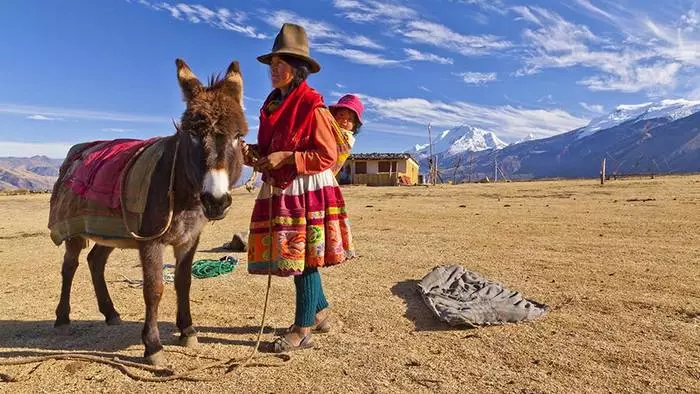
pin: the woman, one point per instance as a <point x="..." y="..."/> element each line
<point x="299" y="222"/>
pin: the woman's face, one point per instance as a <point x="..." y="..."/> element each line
<point x="281" y="73"/>
<point x="345" y="118"/>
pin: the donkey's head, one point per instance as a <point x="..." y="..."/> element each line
<point x="211" y="128"/>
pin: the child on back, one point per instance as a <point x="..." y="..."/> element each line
<point x="348" y="114"/>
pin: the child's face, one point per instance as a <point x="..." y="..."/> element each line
<point x="345" y="118"/>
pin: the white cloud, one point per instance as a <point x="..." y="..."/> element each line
<point x="365" y="42"/>
<point x="657" y="77"/>
<point x="690" y="21"/>
<point x="363" y="11"/>
<point x="480" y="18"/>
<point x="508" y="121"/>
<point x="595" y="10"/>
<point x="42" y="117"/>
<point x="443" y="37"/>
<point x="320" y="32"/>
<point x="558" y="43"/>
<point x="117" y="130"/>
<point x="526" y="15"/>
<point x="57" y="112"/>
<point x="27" y="149"/>
<point x="221" y="18"/>
<point x="416" y="55"/>
<point x="340" y="85"/>
<point x="496" y="6"/>
<point x="597" y="108"/>
<point x="423" y="88"/>
<point x="357" y="56"/>
<point x="405" y="21"/>
<point x="476" y="78"/>
<point x="547" y="99"/>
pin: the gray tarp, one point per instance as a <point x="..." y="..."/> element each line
<point x="460" y="297"/>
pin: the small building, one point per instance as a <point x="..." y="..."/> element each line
<point x="379" y="169"/>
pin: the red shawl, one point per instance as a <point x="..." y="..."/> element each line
<point x="288" y="128"/>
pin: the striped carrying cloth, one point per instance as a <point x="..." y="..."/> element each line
<point x="310" y="227"/>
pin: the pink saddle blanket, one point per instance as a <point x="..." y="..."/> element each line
<point x="99" y="169"/>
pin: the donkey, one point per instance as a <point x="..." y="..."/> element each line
<point x="207" y="165"/>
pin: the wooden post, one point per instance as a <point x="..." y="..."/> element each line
<point x="602" y="172"/>
<point x="495" y="170"/>
<point x="431" y="160"/>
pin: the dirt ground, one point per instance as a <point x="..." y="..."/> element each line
<point x="619" y="265"/>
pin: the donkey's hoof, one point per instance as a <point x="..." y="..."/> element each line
<point x="156" y="359"/>
<point x="114" y="321"/>
<point x="189" y="342"/>
<point x="62" y="330"/>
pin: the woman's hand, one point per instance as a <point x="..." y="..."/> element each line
<point x="274" y="160"/>
<point x="250" y="154"/>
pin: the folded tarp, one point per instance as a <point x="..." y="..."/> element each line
<point x="463" y="298"/>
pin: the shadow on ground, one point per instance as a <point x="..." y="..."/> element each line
<point x="96" y="336"/>
<point x="416" y="310"/>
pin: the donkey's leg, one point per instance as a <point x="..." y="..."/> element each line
<point x="70" y="264"/>
<point x="152" y="263"/>
<point x="97" y="258"/>
<point x="183" y="280"/>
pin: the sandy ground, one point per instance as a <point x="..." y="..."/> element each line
<point x="622" y="277"/>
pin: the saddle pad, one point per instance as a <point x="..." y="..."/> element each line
<point x="97" y="175"/>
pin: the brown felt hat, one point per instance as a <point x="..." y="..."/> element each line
<point x="292" y="41"/>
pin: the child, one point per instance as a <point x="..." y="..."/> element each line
<point x="348" y="114"/>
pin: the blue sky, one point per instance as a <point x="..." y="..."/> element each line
<point x="80" y="70"/>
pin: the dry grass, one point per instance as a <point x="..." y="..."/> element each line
<point x="622" y="277"/>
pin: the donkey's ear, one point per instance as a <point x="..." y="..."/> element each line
<point x="189" y="83"/>
<point x="233" y="82"/>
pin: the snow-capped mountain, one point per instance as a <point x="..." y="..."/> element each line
<point x="459" y="139"/>
<point x="528" y="137"/>
<point x="668" y="109"/>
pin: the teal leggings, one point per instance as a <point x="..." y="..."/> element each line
<point x="310" y="297"/>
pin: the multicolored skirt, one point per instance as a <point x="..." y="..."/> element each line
<point x="310" y="227"/>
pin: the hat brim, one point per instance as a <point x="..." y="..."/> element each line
<point x="336" y="106"/>
<point x="314" y="67"/>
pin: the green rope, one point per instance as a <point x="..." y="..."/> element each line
<point x="202" y="269"/>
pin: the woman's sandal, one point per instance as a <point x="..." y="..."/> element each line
<point x="282" y="345"/>
<point x="323" y="327"/>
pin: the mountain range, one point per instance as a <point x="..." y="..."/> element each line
<point x="655" y="137"/>
<point x="658" y="137"/>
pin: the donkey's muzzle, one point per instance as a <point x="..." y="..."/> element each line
<point x="215" y="208"/>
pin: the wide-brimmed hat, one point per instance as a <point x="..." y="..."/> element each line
<point x="351" y="102"/>
<point x="292" y="41"/>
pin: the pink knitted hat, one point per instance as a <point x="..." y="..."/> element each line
<point x="351" y="102"/>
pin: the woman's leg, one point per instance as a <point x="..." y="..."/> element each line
<point x="322" y="302"/>
<point x="307" y="286"/>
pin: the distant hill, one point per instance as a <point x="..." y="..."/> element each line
<point x="36" y="173"/>
<point x="39" y="173"/>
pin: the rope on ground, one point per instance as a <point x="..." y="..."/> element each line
<point x="202" y="269"/>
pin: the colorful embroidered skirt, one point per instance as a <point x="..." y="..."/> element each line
<point x="310" y="227"/>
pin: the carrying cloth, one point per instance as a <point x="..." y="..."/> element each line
<point x="460" y="297"/>
<point x="81" y="203"/>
